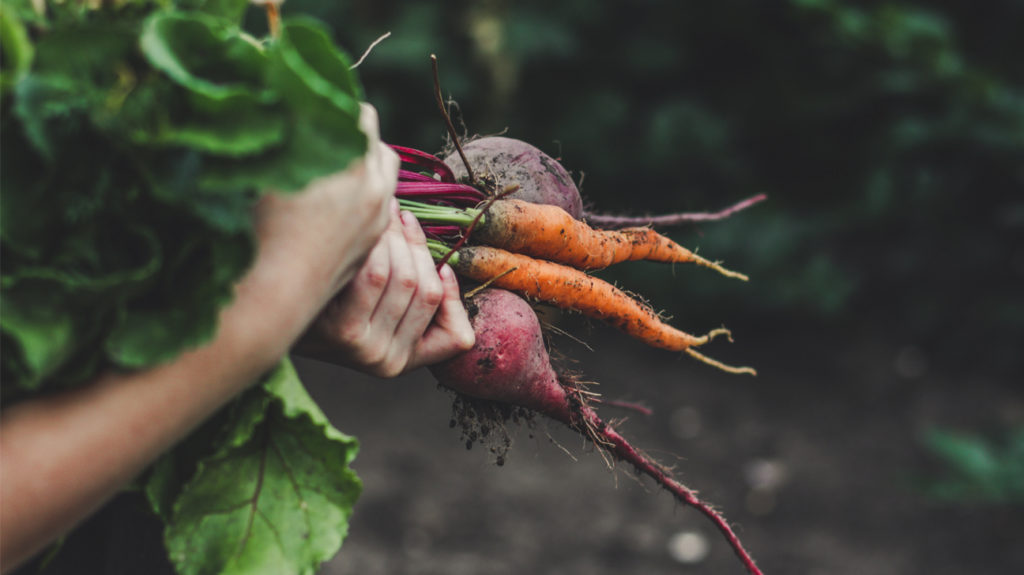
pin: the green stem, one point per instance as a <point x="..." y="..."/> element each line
<point x="432" y="214"/>
<point x="439" y="249"/>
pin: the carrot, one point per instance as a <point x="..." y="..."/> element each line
<point x="549" y="232"/>
<point x="572" y="289"/>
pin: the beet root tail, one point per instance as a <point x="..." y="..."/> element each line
<point x="610" y="440"/>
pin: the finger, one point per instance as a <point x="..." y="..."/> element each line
<point x="429" y="290"/>
<point x="451" y="332"/>
<point x="400" y="287"/>
<point x="348" y="316"/>
<point x="382" y="164"/>
<point x="352" y="309"/>
<point x="452" y="315"/>
<point x="369" y="123"/>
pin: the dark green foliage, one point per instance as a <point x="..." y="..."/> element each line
<point x="977" y="469"/>
<point x="136" y="139"/>
<point x="134" y="149"/>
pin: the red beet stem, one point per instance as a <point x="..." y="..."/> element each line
<point x="411" y="176"/>
<point x="611" y="221"/>
<point x="440" y="189"/>
<point x="442" y="231"/>
<point x="429" y="161"/>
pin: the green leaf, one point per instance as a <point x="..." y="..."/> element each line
<point x="207" y="56"/>
<point x="284" y="385"/>
<point x="182" y="312"/>
<point x="52" y="110"/>
<point x="71" y="87"/>
<point x="175" y="182"/>
<point x="16" y="49"/>
<point x="311" y="71"/>
<point x="162" y="484"/>
<point x="39" y="335"/>
<point x="231" y="10"/>
<point x="970" y="456"/>
<point x="223" y="106"/>
<point x="322" y="97"/>
<point x="313" y="149"/>
<point x="239" y="131"/>
<point x="26" y="215"/>
<point x="278" y="503"/>
<point x="119" y="260"/>
<point x="230" y="428"/>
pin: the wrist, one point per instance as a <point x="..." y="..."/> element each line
<point x="274" y="304"/>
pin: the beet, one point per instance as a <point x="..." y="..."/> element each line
<point x="509" y="364"/>
<point x="507" y="161"/>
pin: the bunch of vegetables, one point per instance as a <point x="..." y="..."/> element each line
<point x="525" y="236"/>
<point x="137" y="136"/>
<point x="541" y="251"/>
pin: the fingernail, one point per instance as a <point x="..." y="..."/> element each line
<point x="468" y="338"/>
<point x="410" y="220"/>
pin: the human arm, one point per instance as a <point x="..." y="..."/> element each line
<point x="62" y="456"/>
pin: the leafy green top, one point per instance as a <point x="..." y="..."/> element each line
<point x="136" y="138"/>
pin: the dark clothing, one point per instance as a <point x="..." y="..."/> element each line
<point x="123" y="538"/>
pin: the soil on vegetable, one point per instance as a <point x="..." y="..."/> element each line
<point x="488" y="424"/>
<point x="817" y="463"/>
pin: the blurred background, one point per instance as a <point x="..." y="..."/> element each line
<point x="885" y="311"/>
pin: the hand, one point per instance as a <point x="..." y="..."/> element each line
<point x="398" y="313"/>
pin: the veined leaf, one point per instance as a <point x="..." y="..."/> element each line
<point x="231" y="428"/>
<point x="311" y="72"/>
<point x="208" y="57"/>
<point x="314" y="148"/>
<point x="223" y="106"/>
<point x="279" y="503"/>
<point x="322" y="98"/>
<point x="241" y="130"/>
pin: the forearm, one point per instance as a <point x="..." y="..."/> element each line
<point x="65" y="455"/>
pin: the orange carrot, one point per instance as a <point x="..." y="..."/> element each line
<point x="549" y="232"/>
<point x="572" y="289"/>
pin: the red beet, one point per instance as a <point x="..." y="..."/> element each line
<point x="508" y="161"/>
<point x="509" y="364"/>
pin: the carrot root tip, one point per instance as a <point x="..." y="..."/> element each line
<point x="715" y="363"/>
<point x="717" y="332"/>
<point x="710" y="336"/>
<point x="718" y="268"/>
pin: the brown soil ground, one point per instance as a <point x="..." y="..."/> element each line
<point x="817" y="462"/>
